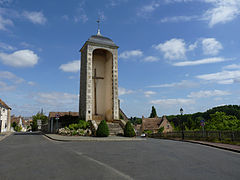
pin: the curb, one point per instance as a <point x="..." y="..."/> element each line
<point x="95" y="139"/>
<point x="215" y="146"/>
<point x="7" y="134"/>
<point x="205" y="144"/>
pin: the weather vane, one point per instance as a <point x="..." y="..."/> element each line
<point x="98" y="21"/>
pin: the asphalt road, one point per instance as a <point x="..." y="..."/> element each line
<point x="32" y="156"/>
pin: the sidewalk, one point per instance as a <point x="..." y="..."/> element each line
<point x="4" y="135"/>
<point x="57" y="137"/>
<point x="229" y="147"/>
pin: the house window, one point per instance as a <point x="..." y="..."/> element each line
<point x="3" y="110"/>
<point x="168" y="126"/>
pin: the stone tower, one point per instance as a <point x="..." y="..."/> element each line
<point x="99" y="79"/>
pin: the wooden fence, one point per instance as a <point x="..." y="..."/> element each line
<point x="232" y="136"/>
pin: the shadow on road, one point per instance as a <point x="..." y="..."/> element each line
<point x="28" y="133"/>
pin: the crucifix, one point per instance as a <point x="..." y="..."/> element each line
<point x="95" y="78"/>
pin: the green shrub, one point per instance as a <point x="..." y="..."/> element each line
<point x="128" y="130"/>
<point x="161" y="129"/>
<point x="18" y="128"/>
<point x="73" y="126"/>
<point x="74" y="132"/>
<point x="148" y="132"/>
<point x="102" y="130"/>
<point x="81" y="125"/>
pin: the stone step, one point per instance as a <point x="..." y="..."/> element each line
<point x="115" y="129"/>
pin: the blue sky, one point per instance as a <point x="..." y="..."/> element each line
<point x="172" y="53"/>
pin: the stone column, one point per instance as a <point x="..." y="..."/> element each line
<point x="9" y="120"/>
<point x="89" y="97"/>
<point x="115" y="86"/>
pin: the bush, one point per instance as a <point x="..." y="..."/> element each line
<point x="161" y="129"/>
<point x="18" y="128"/>
<point x="81" y="125"/>
<point x="74" y="132"/>
<point x="73" y="126"/>
<point x="128" y="130"/>
<point x="148" y="132"/>
<point x="102" y="130"/>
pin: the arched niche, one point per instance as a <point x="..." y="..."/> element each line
<point x="102" y="84"/>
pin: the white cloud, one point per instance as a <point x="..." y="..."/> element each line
<point x="73" y="66"/>
<point x="173" y="49"/>
<point x="222" y="12"/>
<point x="177" y="1"/>
<point x="232" y="66"/>
<point x="31" y="83"/>
<point x="182" y="84"/>
<point x="35" y="17"/>
<point x="173" y="101"/>
<point x="5" y="2"/>
<point x="21" y="58"/>
<point x="131" y="54"/>
<point x="211" y="46"/>
<point x="56" y="98"/>
<point x="6" y="46"/>
<point x="146" y="10"/>
<point x="149" y="93"/>
<point x="201" y="61"/>
<point x="176" y="19"/>
<point x="10" y="76"/>
<point x="193" y="46"/>
<point x="224" y="77"/>
<point x="9" y="81"/>
<point x="151" y="59"/>
<point x="81" y="15"/>
<point x="5" y="87"/>
<point x="204" y="94"/>
<point x="115" y="2"/>
<point x="82" y="18"/>
<point x="4" y="23"/>
<point x="123" y="91"/>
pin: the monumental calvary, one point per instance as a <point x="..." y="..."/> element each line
<point x="99" y="79"/>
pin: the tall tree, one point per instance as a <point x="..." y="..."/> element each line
<point x="153" y="113"/>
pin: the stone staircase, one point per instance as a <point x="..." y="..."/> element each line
<point x="114" y="129"/>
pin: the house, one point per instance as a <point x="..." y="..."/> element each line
<point x="154" y="124"/>
<point x="21" y="121"/>
<point x="57" y="120"/>
<point x="5" y="117"/>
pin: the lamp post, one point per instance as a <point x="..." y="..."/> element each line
<point x="181" y="111"/>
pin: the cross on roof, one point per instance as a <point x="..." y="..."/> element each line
<point x="98" y="33"/>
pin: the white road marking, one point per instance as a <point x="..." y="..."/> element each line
<point x="105" y="165"/>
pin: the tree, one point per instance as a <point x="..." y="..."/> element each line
<point x="221" y="121"/>
<point x="102" y="130"/>
<point x="128" y="130"/>
<point x="153" y="113"/>
<point x="35" y="118"/>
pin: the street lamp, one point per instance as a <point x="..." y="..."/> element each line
<point x="181" y="111"/>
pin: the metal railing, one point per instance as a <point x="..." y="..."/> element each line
<point x="232" y="136"/>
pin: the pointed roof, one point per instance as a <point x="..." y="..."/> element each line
<point x="2" y="103"/>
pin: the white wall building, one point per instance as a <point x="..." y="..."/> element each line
<point x="5" y="117"/>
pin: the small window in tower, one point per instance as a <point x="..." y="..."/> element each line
<point x="89" y="112"/>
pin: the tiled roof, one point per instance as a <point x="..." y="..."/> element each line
<point x="151" y="123"/>
<point x="4" y="104"/>
<point x="53" y="114"/>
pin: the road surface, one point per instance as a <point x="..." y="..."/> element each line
<point x="33" y="156"/>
